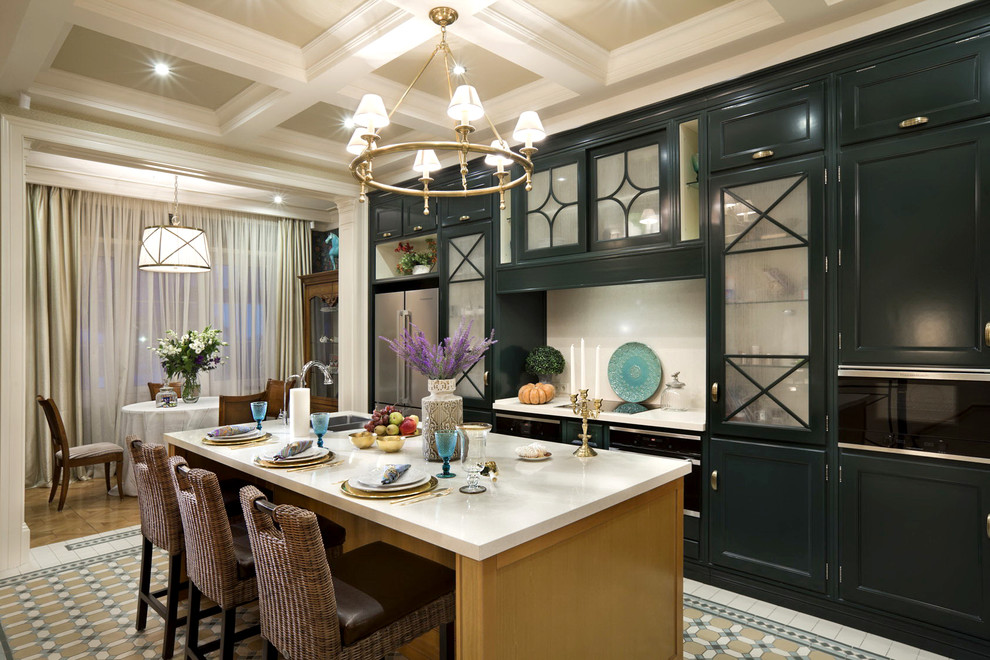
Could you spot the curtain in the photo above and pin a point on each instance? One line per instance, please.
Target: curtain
(94, 315)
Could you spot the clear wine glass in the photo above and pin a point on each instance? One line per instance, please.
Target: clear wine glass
(474, 438)
(320, 422)
(258, 411)
(446, 443)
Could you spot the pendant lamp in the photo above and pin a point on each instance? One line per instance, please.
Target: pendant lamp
(173, 248)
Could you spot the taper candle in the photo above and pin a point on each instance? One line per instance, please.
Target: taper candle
(584, 378)
(572, 366)
(598, 375)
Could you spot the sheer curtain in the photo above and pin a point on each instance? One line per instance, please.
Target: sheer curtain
(95, 315)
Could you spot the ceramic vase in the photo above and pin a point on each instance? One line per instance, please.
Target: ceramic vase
(443, 411)
(420, 269)
(191, 389)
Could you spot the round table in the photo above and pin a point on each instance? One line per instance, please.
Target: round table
(151, 424)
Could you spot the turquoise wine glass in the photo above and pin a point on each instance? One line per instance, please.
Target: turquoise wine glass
(446, 443)
(320, 421)
(258, 411)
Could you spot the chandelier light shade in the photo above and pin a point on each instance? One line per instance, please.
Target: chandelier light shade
(465, 106)
(173, 248)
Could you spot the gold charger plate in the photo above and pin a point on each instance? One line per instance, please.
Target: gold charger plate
(294, 464)
(237, 443)
(354, 491)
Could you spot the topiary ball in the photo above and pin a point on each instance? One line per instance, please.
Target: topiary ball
(544, 360)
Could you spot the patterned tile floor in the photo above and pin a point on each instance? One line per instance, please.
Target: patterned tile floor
(75, 599)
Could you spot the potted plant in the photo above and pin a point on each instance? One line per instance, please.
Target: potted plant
(187, 355)
(440, 363)
(416, 263)
(544, 361)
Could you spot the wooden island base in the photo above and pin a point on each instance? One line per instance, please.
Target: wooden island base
(607, 586)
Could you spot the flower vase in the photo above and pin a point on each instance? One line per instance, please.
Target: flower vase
(443, 411)
(420, 269)
(191, 389)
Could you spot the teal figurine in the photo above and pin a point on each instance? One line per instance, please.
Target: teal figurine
(334, 249)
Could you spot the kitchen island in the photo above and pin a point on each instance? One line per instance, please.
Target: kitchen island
(561, 558)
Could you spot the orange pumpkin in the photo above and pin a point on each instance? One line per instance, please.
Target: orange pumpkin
(537, 393)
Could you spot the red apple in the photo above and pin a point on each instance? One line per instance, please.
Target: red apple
(408, 426)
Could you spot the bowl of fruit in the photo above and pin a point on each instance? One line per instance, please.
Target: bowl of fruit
(390, 428)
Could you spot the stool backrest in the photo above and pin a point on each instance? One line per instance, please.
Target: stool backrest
(210, 558)
(237, 409)
(161, 522)
(295, 591)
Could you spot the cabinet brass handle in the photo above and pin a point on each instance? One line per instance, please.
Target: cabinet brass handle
(387, 234)
(464, 217)
(486, 379)
(418, 228)
(714, 479)
(986, 334)
(715, 392)
(913, 121)
(766, 153)
(988, 525)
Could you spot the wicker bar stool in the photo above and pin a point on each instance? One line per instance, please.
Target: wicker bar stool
(361, 605)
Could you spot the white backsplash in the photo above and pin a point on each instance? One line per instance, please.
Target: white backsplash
(669, 317)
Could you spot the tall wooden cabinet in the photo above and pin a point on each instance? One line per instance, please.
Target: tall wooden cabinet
(321, 335)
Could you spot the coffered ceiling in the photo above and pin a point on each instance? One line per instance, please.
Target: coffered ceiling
(280, 77)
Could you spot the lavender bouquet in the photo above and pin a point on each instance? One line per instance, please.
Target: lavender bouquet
(441, 361)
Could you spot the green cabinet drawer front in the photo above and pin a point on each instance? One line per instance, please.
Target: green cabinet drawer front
(456, 210)
(914, 540)
(914, 232)
(768, 128)
(414, 221)
(386, 218)
(934, 87)
(767, 508)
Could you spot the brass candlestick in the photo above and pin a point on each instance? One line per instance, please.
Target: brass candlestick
(579, 405)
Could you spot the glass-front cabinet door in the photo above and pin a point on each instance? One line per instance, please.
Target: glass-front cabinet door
(630, 191)
(767, 311)
(321, 335)
(552, 213)
(467, 265)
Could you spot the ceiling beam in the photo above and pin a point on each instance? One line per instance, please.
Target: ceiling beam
(31, 32)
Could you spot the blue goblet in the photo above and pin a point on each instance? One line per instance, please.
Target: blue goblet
(320, 421)
(258, 411)
(446, 443)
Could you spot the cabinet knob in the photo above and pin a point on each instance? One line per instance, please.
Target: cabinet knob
(463, 218)
(418, 228)
(486, 379)
(714, 480)
(913, 121)
(387, 234)
(760, 155)
(715, 392)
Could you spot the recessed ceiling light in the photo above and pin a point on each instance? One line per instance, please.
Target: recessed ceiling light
(162, 69)
(458, 70)
(349, 123)
(277, 199)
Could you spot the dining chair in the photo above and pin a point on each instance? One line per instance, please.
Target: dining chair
(275, 396)
(64, 457)
(364, 604)
(154, 387)
(237, 409)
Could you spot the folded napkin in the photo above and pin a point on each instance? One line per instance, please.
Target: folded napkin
(235, 429)
(291, 449)
(393, 472)
(532, 450)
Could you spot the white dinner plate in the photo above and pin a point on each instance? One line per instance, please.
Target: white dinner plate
(313, 452)
(372, 480)
(253, 433)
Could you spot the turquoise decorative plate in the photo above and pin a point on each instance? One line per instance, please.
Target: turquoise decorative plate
(629, 408)
(634, 372)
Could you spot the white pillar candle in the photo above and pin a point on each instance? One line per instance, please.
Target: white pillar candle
(299, 411)
(584, 381)
(573, 366)
(598, 375)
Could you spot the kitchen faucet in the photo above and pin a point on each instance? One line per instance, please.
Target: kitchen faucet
(301, 378)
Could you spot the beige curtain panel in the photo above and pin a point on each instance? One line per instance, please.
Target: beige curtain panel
(93, 315)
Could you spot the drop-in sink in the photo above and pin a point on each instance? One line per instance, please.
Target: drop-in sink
(347, 422)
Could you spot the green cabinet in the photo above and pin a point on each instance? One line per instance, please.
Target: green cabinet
(914, 284)
(551, 217)
(767, 301)
(455, 210)
(767, 511)
(914, 539)
(931, 88)
(395, 216)
(768, 128)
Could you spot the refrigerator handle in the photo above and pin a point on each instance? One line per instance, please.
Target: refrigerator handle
(400, 365)
(407, 369)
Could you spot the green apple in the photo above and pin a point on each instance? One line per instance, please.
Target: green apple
(392, 429)
(395, 418)
(380, 429)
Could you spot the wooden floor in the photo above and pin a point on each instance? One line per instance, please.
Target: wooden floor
(88, 510)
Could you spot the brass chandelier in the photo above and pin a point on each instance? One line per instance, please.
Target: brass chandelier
(465, 107)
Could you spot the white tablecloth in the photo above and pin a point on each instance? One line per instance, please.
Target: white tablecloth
(151, 424)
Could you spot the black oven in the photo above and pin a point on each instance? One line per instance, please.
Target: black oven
(533, 428)
(935, 414)
(670, 444)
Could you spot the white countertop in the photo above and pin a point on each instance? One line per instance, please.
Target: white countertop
(688, 420)
(529, 499)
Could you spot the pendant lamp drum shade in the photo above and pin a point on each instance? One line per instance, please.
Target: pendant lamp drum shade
(174, 249)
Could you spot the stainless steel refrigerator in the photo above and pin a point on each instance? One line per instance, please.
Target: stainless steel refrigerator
(395, 382)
